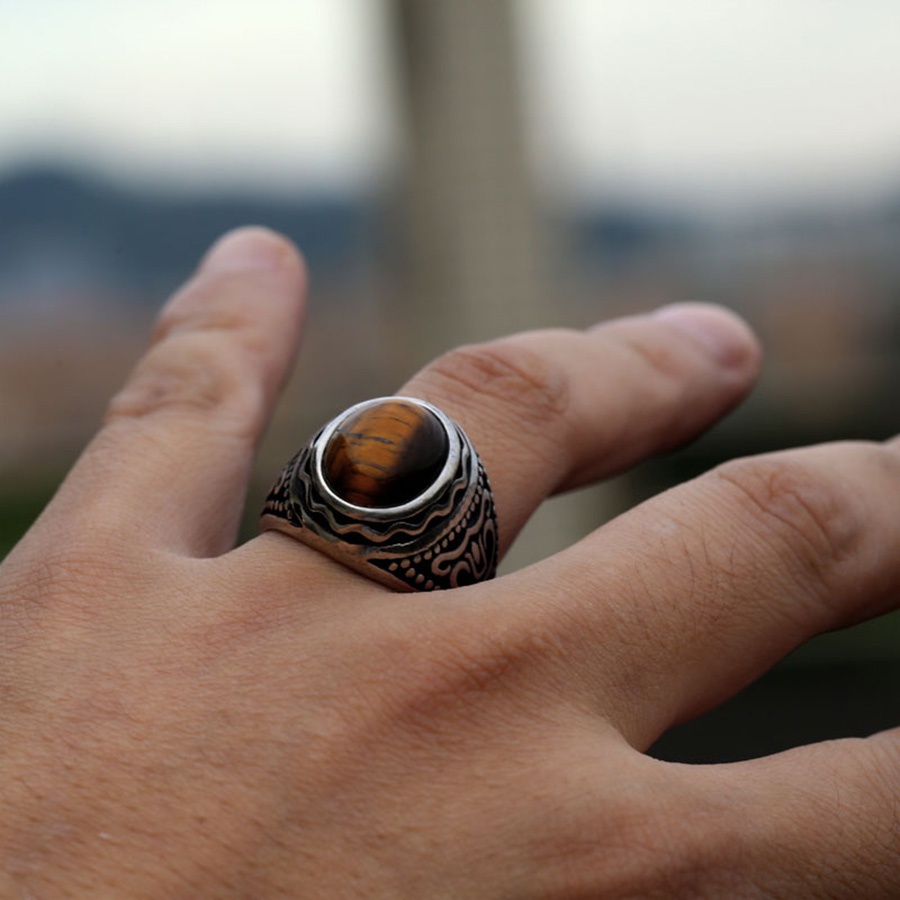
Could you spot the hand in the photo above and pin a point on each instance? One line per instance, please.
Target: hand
(184, 719)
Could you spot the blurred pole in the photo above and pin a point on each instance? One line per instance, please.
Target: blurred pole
(474, 255)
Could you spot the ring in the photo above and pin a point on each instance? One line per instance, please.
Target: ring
(394, 489)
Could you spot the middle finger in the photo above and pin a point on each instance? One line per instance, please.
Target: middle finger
(674, 606)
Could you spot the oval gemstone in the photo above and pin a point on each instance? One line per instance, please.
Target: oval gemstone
(385, 455)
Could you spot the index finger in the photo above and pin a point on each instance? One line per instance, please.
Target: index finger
(168, 470)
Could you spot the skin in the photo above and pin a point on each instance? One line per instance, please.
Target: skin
(182, 719)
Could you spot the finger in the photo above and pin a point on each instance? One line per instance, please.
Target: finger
(817, 821)
(552, 410)
(676, 605)
(169, 468)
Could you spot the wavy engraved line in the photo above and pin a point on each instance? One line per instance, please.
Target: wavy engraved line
(325, 517)
(382, 532)
(393, 540)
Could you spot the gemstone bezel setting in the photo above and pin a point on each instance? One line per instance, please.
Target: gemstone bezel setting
(444, 478)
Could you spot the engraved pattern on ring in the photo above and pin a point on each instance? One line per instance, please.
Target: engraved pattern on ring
(449, 542)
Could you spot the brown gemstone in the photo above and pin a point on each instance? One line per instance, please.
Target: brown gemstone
(385, 455)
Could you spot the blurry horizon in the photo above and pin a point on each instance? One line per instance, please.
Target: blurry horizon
(709, 103)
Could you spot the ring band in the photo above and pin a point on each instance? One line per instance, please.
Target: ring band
(393, 488)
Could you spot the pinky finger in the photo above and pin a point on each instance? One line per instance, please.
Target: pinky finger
(818, 821)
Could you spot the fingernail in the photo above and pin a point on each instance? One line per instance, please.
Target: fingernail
(722, 333)
(246, 250)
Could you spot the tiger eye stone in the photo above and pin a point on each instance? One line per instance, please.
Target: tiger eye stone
(385, 455)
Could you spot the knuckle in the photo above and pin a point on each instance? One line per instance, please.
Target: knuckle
(206, 303)
(522, 382)
(189, 373)
(794, 503)
(431, 683)
(72, 584)
(663, 360)
(449, 681)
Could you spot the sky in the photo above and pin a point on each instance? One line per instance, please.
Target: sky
(731, 98)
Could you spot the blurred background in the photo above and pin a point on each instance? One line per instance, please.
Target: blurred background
(454, 171)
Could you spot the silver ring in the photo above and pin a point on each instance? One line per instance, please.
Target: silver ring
(394, 489)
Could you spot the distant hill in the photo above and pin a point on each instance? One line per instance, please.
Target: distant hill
(67, 236)
(92, 229)
(62, 228)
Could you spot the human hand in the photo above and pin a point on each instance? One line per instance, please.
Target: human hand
(184, 719)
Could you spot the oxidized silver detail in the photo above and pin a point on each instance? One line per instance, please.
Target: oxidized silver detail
(444, 538)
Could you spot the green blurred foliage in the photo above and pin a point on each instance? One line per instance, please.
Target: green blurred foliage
(20, 504)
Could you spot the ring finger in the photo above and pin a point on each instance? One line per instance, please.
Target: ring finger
(554, 410)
